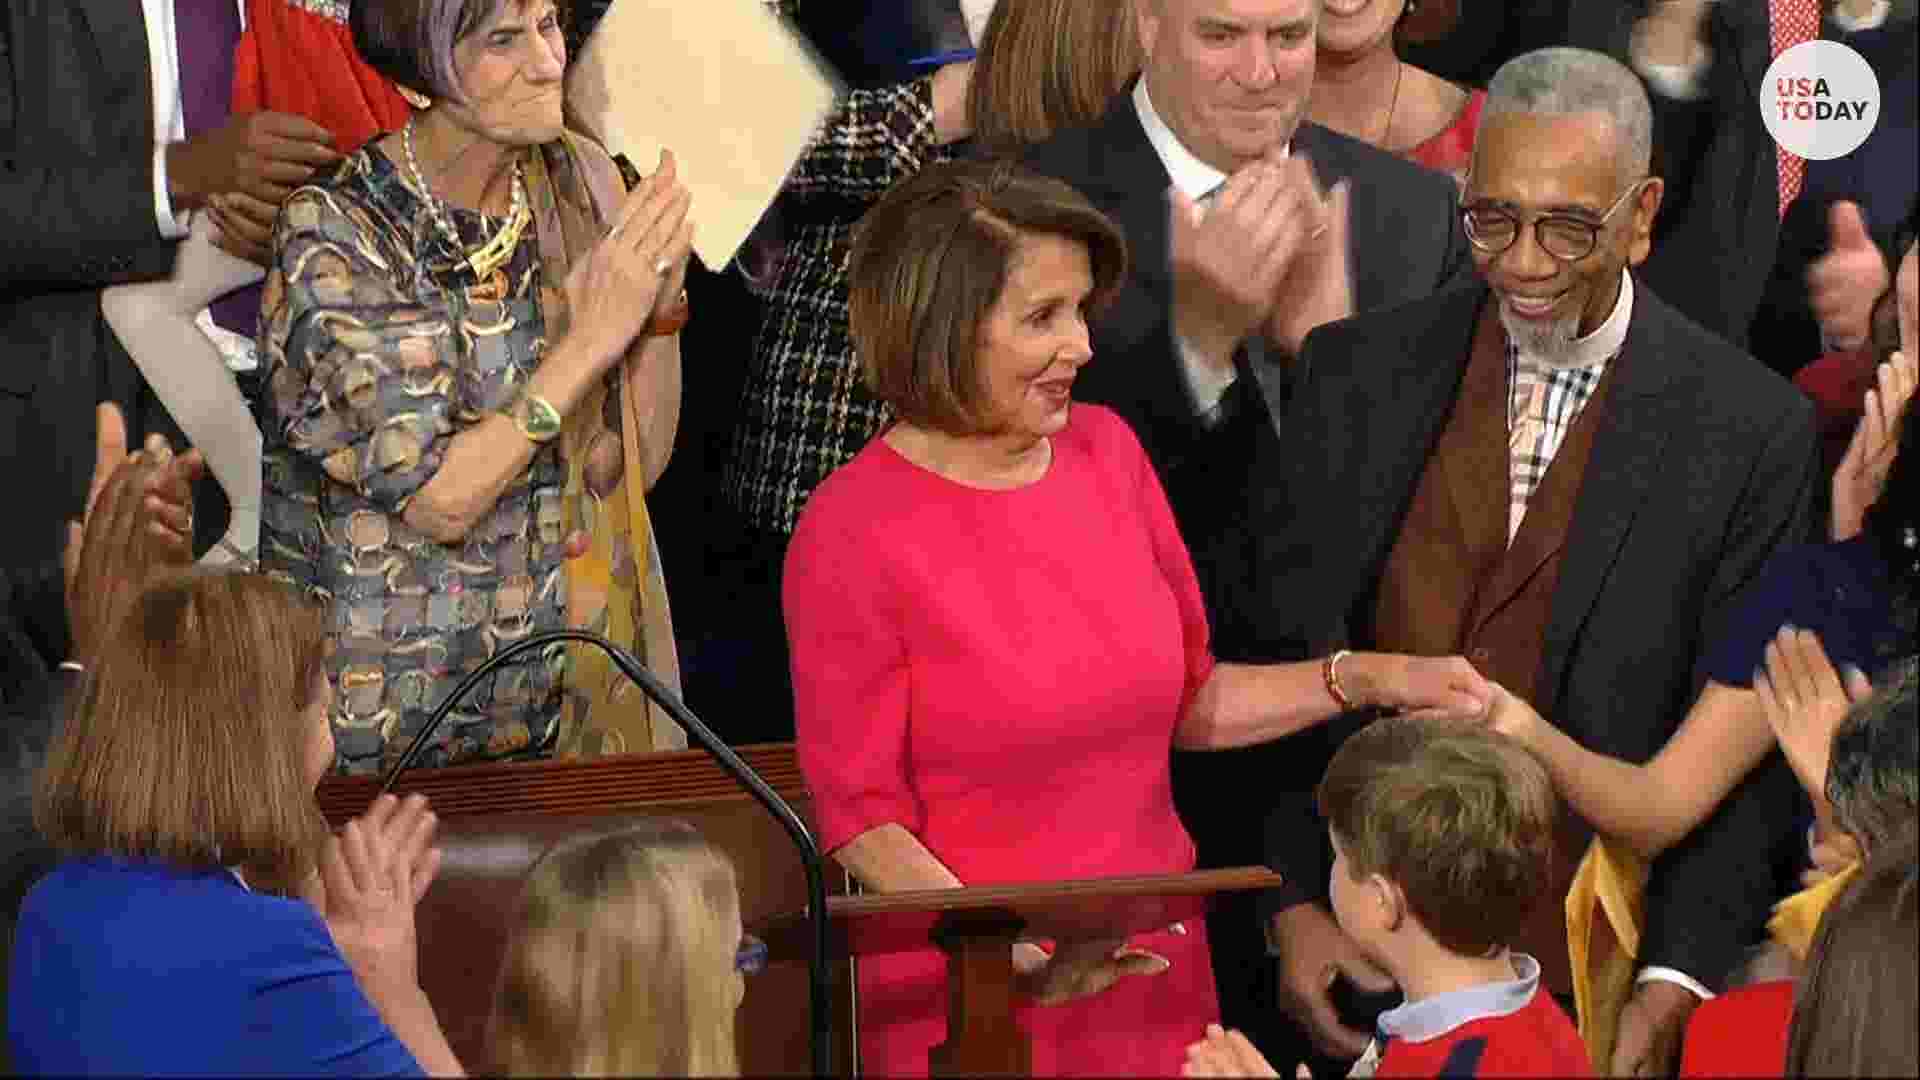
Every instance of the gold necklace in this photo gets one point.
(488, 257)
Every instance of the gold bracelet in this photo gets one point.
(1330, 673)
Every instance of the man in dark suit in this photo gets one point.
(1236, 253)
(1557, 474)
(51, 616)
(94, 192)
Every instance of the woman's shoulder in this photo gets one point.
(860, 495)
(1101, 434)
(158, 896)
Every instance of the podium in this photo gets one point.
(495, 819)
(977, 927)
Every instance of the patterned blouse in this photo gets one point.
(378, 351)
(805, 411)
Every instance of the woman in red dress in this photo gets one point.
(996, 631)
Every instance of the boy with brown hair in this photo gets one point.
(1441, 837)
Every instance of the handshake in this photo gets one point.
(1267, 253)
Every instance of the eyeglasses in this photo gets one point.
(751, 957)
(1493, 229)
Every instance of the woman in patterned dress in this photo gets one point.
(472, 380)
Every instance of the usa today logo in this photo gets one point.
(1820, 100)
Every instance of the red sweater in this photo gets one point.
(1537, 1040)
(1740, 1033)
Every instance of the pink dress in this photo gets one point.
(1000, 673)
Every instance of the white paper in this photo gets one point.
(727, 85)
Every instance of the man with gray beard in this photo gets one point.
(1554, 473)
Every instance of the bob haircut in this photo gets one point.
(412, 41)
(1047, 66)
(185, 742)
(1459, 817)
(621, 960)
(1864, 961)
(928, 264)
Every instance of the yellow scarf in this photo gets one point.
(617, 588)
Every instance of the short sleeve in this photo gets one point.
(310, 1007)
(850, 667)
(1169, 552)
(362, 378)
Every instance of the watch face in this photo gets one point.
(538, 419)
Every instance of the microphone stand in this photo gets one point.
(819, 990)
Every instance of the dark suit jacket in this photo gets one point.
(33, 641)
(76, 214)
(1407, 242)
(1703, 465)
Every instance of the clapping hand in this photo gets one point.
(1862, 473)
(138, 518)
(1318, 288)
(374, 872)
(1805, 699)
(637, 268)
(1227, 1053)
(1231, 261)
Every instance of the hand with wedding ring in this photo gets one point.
(1318, 288)
(639, 266)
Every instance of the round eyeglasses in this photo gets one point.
(1493, 228)
(751, 957)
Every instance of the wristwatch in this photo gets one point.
(536, 418)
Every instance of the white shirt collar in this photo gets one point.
(1595, 349)
(1195, 178)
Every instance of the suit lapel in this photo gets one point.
(1411, 402)
(1625, 465)
(1473, 450)
(119, 32)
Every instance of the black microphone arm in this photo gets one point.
(819, 990)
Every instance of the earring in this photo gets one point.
(415, 98)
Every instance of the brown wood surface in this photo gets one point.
(592, 785)
(1072, 910)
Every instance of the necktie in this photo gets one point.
(1791, 22)
(207, 32)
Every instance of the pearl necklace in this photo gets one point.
(488, 257)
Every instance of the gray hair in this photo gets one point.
(1563, 82)
(1873, 774)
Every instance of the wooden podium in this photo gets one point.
(976, 929)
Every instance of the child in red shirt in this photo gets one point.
(1441, 837)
